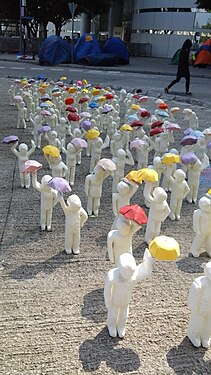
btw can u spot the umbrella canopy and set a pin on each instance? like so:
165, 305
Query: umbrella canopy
209, 145
132, 118
71, 109
143, 99
164, 248
51, 151
45, 97
79, 143
93, 105
45, 112
144, 113
189, 158
162, 114
73, 116
83, 100
126, 127
44, 129
147, 174
171, 126
18, 98
69, 101
107, 164
197, 133
156, 131
136, 143
31, 166
92, 134
95, 92
86, 114
174, 109
133, 176
109, 96
135, 107
134, 212
136, 123
156, 124
106, 110
59, 184
72, 89
10, 139
163, 106
188, 140
45, 105
86, 125
171, 158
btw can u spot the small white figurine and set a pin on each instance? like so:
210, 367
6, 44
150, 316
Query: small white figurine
21, 115
71, 156
194, 172
179, 190
23, 154
75, 218
158, 212
199, 303
62, 129
58, 167
96, 151
190, 116
202, 227
48, 200
200, 151
143, 154
52, 139
122, 158
116, 143
161, 144
37, 123
93, 189
118, 290
11, 93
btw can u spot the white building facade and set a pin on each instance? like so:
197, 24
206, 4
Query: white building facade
165, 24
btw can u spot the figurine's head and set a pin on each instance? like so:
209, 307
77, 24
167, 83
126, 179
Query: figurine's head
76, 132
174, 151
126, 265
63, 120
159, 194
117, 136
179, 175
53, 134
123, 188
207, 270
205, 204
37, 120
45, 179
70, 147
23, 148
74, 202
157, 161
123, 226
21, 104
121, 154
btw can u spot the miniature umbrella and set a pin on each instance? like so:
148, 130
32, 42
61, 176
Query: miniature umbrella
83, 100
209, 145
136, 123
136, 143
71, 109
92, 134
59, 184
126, 127
171, 158
73, 116
163, 106
147, 174
107, 164
133, 176
188, 140
144, 113
172, 126
51, 151
93, 105
86, 125
132, 118
45, 112
164, 248
69, 101
31, 166
134, 212
18, 98
156, 124
79, 143
85, 114
10, 139
189, 158
44, 129
135, 107
156, 131
143, 99
163, 114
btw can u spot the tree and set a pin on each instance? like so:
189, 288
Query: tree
204, 4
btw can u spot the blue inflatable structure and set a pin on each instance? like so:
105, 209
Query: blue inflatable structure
54, 50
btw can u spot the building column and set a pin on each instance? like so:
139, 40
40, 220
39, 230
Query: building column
85, 24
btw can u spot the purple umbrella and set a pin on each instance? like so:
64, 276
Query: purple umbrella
79, 143
189, 158
10, 139
209, 145
85, 114
106, 110
136, 143
188, 140
59, 184
44, 129
172, 126
187, 131
86, 125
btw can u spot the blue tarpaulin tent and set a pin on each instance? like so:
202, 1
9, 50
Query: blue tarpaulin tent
116, 46
54, 50
86, 45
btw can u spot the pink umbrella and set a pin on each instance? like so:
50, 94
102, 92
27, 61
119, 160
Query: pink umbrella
59, 184
143, 99
188, 140
136, 143
45, 112
79, 143
31, 166
18, 98
172, 126
10, 139
189, 158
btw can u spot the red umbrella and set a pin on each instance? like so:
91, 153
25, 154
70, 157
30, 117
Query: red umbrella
31, 166
73, 116
156, 131
188, 140
136, 123
83, 100
134, 212
69, 101
156, 124
109, 96
145, 113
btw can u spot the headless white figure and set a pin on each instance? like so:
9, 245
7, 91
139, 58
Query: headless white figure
202, 227
58, 167
119, 240
21, 115
48, 200
142, 153
96, 151
158, 212
118, 290
123, 157
199, 303
71, 154
179, 190
75, 218
23, 155
194, 172
93, 189
125, 190
37, 123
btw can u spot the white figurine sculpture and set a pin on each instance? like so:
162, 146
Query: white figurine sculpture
75, 218
122, 158
199, 303
194, 172
48, 200
125, 190
200, 151
142, 153
191, 117
11, 93
158, 212
52, 139
202, 227
21, 115
116, 143
23, 154
179, 190
62, 128
161, 144
118, 289
71, 156
37, 123
58, 167
96, 151
169, 171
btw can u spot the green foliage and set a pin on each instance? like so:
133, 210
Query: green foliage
204, 4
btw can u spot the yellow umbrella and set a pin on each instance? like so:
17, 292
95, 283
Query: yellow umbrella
51, 150
171, 158
44, 85
42, 90
72, 89
24, 82
95, 92
209, 193
164, 248
85, 91
63, 78
147, 174
126, 127
50, 103
101, 99
135, 107
92, 134
84, 81
133, 176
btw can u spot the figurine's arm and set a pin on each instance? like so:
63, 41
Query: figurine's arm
110, 246
195, 294
13, 149
186, 190
114, 203
35, 183
143, 270
166, 212
62, 202
197, 217
64, 151
134, 227
31, 119
83, 216
129, 160
109, 281
87, 184
65, 170
33, 148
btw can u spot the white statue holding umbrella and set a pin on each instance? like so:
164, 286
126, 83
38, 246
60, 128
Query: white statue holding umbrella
23, 154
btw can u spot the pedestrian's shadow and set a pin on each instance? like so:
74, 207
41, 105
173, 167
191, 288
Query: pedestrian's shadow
185, 359
26, 271
102, 349
94, 307
193, 265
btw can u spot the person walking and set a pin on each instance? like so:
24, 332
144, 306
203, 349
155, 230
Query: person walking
183, 68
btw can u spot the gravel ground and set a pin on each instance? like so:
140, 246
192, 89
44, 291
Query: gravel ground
52, 313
